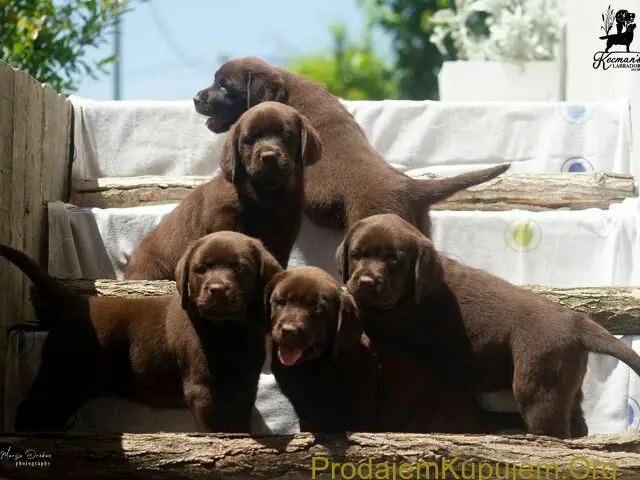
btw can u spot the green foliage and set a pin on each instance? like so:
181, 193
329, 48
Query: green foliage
408, 23
417, 60
350, 70
49, 40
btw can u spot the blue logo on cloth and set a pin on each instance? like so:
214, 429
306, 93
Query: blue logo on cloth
21, 341
633, 414
576, 165
575, 113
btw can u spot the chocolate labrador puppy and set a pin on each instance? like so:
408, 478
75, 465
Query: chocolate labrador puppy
338, 379
259, 192
352, 181
203, 346
483, 331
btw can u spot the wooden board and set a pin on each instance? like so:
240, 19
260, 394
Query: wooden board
305, 456
21, 135
536, 192
6, 171
615, 308
34, 138
34, 162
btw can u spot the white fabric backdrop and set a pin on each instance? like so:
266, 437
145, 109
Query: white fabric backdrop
590, 247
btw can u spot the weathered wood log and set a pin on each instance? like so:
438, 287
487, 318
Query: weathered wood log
615, 308
303, 456
536, 192
543, 191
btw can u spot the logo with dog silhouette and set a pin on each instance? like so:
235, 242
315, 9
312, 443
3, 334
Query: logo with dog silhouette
618, 27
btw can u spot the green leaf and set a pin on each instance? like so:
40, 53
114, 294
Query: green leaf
50, 38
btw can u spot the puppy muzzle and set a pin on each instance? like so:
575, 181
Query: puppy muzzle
271, 170
371, 291
218, 303
294, 343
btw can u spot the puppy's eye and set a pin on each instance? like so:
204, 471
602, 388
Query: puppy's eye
248, 140
280, 301
242, 268
200, 268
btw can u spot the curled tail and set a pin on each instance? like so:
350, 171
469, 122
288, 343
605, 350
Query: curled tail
53, 293
597, 339
432, 191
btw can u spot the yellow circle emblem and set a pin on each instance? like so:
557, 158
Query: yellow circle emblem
523, 236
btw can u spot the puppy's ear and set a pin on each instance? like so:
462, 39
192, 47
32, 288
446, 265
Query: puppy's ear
310, 144
269, 266
349, 329
265, 87
429, 271
268, 290
182, 276
230, 157
342, 259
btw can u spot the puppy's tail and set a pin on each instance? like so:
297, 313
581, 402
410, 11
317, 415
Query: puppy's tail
48, 288
432, 191
597, 339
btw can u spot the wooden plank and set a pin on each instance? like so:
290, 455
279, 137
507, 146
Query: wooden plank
6, 80
7, 277
16, 218
544, 191
6, 117
338, 456
33, 205
615, 308
6, 169
540, 191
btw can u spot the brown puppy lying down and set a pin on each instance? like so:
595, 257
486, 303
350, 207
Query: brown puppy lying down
259, 192
203, 346
338, 380
352, 181
483, 331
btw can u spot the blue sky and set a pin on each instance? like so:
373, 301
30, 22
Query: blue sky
171, 48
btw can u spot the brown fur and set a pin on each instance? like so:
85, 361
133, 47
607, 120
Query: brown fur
339, 380
256, 194
352, 181
480, 330
202, 347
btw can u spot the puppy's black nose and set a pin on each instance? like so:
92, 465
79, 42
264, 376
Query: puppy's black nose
218, 290
269, 157
198, 98
289, 331
366, 281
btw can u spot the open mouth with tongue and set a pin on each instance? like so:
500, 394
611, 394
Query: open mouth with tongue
289, 356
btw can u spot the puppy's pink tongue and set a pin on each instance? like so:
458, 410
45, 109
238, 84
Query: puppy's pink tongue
209, 122
288, 357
